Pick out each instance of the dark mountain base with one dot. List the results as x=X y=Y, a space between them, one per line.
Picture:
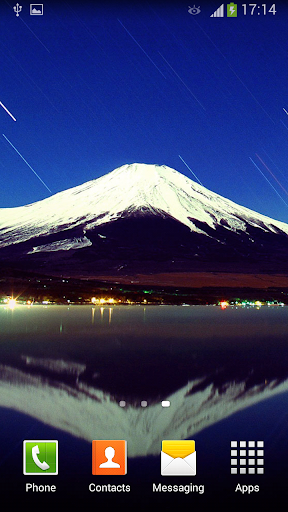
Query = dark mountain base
x=153 y=244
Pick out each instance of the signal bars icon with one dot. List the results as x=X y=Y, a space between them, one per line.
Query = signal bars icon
x=219 y=13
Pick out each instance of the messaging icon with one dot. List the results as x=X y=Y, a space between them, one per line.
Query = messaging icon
x=178 y=458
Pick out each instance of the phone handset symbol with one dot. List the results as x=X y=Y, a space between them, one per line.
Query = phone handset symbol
x=35 y=453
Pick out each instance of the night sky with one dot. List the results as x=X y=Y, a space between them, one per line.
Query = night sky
x=95 y=85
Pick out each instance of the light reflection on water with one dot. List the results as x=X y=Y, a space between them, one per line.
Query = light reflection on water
x=80 y=361
x=198 y=337
x=198 y=321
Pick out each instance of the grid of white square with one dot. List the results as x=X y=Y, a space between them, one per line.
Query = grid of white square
x=247 y=457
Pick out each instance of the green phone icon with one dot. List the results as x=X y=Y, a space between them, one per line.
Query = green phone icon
x=231 y=10
x=40 y=457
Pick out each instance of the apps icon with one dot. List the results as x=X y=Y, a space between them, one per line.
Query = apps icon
x=247 y=457
x=109 y=457
x=40 y=457
x=178 y=458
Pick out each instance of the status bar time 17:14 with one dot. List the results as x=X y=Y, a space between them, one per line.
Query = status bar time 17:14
x=258 y=9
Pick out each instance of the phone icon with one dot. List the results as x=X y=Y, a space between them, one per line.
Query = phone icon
x=40 y=457
x=42 y=465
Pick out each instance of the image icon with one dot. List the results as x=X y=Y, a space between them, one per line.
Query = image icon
x=247 y=457
x=178 y=458
x=109 y=457
x=231 y=10
x=36 y=10
x=40 y=457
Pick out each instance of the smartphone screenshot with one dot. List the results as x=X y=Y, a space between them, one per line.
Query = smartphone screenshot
x=143 y=253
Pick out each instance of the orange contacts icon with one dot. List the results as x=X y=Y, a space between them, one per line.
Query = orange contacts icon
x=109 y=457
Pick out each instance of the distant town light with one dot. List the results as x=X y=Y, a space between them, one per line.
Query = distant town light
x=11 y=303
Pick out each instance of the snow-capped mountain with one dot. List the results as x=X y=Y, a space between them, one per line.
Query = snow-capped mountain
x=130 y=188
x=139 y=212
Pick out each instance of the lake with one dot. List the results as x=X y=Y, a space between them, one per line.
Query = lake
x=80 y=373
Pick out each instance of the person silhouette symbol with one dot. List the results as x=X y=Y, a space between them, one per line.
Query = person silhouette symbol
x=109 y=454
x=109 y=457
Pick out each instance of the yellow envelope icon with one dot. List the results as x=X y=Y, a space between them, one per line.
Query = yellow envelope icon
x=178 y=458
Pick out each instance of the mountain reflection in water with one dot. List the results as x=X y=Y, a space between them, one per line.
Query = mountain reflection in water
x=70 y=367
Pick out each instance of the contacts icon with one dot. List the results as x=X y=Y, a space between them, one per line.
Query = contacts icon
x=109 y=457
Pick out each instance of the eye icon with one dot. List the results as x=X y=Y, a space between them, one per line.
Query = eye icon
x=194 y=10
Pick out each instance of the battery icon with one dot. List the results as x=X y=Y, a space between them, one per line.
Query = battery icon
x=231 y=10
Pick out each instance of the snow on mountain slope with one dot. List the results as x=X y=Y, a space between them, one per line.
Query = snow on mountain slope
x=62 y=245
x=135 y=187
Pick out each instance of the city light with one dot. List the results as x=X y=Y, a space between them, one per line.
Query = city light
x=11 y=303
x=249 y=303
x=101 y=301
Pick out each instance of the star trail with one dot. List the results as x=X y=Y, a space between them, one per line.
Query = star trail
x=94 y=86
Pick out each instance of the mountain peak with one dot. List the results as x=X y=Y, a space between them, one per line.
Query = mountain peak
x=132 y=188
